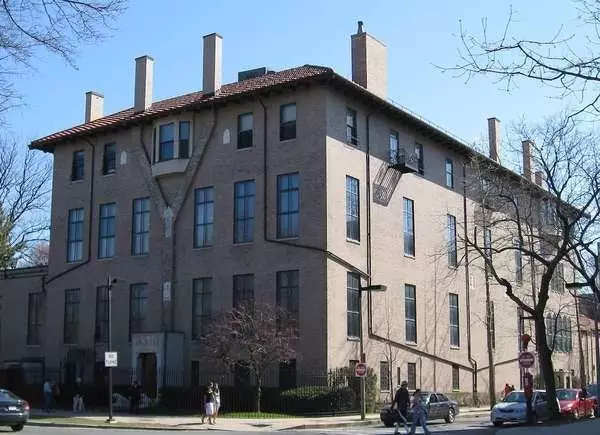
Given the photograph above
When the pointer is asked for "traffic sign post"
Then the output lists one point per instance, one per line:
(111, 359)
(526, 360)
(360, 370)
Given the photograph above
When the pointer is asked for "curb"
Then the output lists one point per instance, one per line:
(333, 425)
(91, 426)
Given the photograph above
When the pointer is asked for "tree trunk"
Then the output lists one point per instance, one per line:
(490, 347)
(258, 392)
(546, 365)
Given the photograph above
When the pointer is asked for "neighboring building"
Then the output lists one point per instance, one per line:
(294, 187)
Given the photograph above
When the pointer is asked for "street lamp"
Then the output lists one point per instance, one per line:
(109, 283)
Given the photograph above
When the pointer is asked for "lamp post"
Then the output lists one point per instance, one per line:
(109, 283)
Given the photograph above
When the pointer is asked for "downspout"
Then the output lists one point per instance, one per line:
(369, 241)
(468, 290)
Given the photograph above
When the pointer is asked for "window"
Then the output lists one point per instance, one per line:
(288, 294)
(201, 307)
(245, 130)
(455, 378)
(518, 262)
(351, 126)
(184, 139)
(140, 228)
(195, 373)
(492, 324)
(106, 230)
(166, 142)
(101, 334)
(411, 376)
(109, 159)
(75, 235)
(409, 227)
(394, 147)
(243, 290)
(287, 121)
(550, 331)
(420, 158)
(204, 215)
(384, 376)
(71, 319)
(410, 312)
(454, 320)
(451, 238)
(353, 304)
(557, 282)
(487, 242)
(352, 209)
(449, 173)
(34, 319)
(244, 192)
(77, 168)
(138, 308)
(288, 205)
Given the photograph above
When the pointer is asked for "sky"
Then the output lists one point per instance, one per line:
(420, 36)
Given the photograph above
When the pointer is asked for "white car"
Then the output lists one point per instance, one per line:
(513, 408)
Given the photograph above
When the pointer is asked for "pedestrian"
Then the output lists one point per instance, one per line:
(78, 405)
(55, 392)
(512, 388)
(48, 394)
(135, 395)
(401, 403)
(419, 413)
(209, 404)
(217, 394)
(507, 390)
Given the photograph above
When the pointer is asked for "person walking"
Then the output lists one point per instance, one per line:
(78, 405)
(48, 394)
(217, 393)
(209, 404)
(401, 403)
(419, 414)
(507, 390)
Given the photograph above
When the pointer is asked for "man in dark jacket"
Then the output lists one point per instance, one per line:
(401, 403)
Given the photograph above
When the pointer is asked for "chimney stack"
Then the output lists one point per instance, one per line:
(539, 178)
(494, 138)
(369, 62)
(94, 106)
(212, 63)
(144, 66)
(528, 159)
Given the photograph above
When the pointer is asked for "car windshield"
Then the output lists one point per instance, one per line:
(7, 395)
(593, 389)
(566, 394)
(515, 396)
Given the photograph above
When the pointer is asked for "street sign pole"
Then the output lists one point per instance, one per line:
(110, 378)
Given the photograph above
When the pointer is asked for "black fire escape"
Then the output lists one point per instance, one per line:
(403, 161)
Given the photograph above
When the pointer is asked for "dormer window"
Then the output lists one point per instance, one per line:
(166, 142)
(184, 139)
(172, 141)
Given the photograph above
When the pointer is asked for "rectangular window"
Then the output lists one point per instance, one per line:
(243, 290)
(204, 217)
(243, 225)
(71, 319)
(140, 226)
(101, 334)
(409, 227)
(106, 230)
(394, 146)
(287, 121)
(454, 320)
(288, 294)
(109, 159)
(166, 142)
(518, 262)
(487, 242)
(34, 319)
(78, 165)
(353, 304)
(410, 312)
(75, 235)
(352, 209)
(201, 307)
(420, 158)
(557, 282)
(138, 308)
(449, 173)
(384, 376)
(455, 378)
(411, 376)
(351, 135)
(184, 139)
(451, 239)
(245, 130)
(288, 205)
(492, 323)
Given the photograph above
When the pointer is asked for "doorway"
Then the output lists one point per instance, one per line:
(146, 373)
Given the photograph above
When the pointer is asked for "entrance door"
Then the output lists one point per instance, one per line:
(147, 373)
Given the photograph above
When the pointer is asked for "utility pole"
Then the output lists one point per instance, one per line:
(109, 282)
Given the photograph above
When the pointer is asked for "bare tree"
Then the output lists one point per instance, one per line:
(255, 338)
(58, 26)
(39, 254)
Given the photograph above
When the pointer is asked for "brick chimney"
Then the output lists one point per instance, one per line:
(212, 63)
(144, 66)
(528, 165)
(369, 62)
(94, 106)
(539, 178)
(494, 138)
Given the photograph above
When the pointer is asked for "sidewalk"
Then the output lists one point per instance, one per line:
(124, 421)
(580, 427)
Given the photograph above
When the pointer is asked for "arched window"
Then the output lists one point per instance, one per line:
(550, 331)
(569, 336)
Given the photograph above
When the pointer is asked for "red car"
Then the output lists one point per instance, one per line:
(573, 405)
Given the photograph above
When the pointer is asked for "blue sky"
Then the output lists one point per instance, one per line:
(282, 34)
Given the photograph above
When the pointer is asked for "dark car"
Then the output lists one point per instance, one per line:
(594, 392)
(438, 407)
(14, 411)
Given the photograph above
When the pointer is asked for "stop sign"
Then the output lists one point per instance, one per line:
(360, 370)
(526, 360)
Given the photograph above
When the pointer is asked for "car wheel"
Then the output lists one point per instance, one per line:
(497, 423)
(17, 427)
(451, 416)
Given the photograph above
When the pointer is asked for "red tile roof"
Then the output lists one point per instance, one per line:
(160, 108)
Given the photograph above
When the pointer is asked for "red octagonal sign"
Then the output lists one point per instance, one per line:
(360, 370)
(526, 360)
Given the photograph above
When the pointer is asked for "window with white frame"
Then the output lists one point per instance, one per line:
(172, 140)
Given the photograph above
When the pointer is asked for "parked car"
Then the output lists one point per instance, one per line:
(438, 407)
(594, 392)
(513, 408)
(573, 405)
(14, 411)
